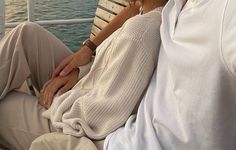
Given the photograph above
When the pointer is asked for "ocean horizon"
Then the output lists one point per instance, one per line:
(71, 35)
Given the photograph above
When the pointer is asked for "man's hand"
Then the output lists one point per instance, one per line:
(82, 57)
(57, 85)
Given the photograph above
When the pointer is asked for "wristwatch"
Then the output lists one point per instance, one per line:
(90, 45)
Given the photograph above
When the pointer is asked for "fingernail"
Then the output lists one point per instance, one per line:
(62, 73)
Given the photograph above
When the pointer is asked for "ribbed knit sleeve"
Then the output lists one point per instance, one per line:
(106, 97)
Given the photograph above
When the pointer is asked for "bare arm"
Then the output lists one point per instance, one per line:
(116, 23)
(65, 75)
(83, 56)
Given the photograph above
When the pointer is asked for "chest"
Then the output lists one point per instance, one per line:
(191, 35)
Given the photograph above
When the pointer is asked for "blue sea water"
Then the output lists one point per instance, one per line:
(71, 35)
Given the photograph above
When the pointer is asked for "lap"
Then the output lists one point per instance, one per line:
(22, 124)
(21, 120)
(60, 141)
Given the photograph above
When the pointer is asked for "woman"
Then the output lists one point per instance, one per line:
(100, 102)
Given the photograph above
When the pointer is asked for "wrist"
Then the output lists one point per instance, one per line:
(90, 45)
(84, 55)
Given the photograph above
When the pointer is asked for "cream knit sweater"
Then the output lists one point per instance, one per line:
(104, 99)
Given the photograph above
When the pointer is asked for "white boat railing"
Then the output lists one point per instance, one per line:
(31, 18)
(2, 18)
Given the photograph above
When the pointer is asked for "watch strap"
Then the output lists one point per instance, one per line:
(90, 45)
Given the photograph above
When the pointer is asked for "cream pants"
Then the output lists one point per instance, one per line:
(30, 51)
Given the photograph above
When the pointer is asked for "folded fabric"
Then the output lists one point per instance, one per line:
(104, 99)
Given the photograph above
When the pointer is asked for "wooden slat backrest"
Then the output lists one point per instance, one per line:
(106, 10)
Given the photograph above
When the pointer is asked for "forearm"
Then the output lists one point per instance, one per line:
(85, 54)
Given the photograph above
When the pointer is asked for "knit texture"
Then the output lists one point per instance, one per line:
(104, 99)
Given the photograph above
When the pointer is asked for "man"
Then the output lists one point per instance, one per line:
(190, 103)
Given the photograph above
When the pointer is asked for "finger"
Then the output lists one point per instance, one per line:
(64, 89)
(59, 69)
(61, 66)
(68, 69)
(46, 98)
(57, 84)
(53, 88)
(41, 100)
(45, 85)
(49, 100)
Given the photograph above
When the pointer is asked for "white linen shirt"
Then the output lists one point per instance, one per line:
(190, 103)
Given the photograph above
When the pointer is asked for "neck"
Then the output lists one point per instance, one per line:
(149, 5)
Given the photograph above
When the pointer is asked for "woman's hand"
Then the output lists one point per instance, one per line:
(57, 85)
(82, 57)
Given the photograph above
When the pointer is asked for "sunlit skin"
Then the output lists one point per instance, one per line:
(65, 75)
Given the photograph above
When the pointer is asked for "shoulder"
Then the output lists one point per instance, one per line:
(140, 25)
(145, 20)
(153, 15)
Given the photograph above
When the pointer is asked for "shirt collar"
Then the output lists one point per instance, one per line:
(189, 3)
(182, 2)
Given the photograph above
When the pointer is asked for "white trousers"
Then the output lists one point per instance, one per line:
(30, 51)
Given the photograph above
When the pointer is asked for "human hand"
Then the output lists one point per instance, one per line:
(82, 57)
(57, 85)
